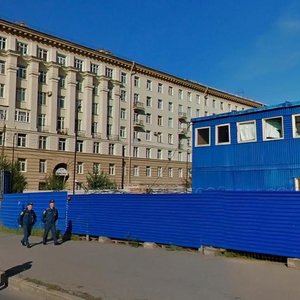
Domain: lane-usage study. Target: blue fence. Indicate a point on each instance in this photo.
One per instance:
(261, 222)
(13, 204)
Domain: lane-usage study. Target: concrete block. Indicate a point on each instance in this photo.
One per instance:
(293, 263)
(103, 239)
(212, 251)
(150, 245)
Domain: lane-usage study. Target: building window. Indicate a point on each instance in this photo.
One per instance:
(62, 144)
(203, 136)
(296, 126)
(42, 120)
(148, 171)
(111, 149)
(96, 168)
(21, 140)
(109, 72)
(159, 120)
(159, 172)
(273, 128)
(21, 94)
(170, 172)
(110, 111)
(123, 95)
(189, 96)
(223, 134)
(246, 131)
(170, 106)
(94, 68)
(42, 77)
(148, 118)
(159, 154)
(21, 72)
(2, 43)
(229, 107)
(95, 90)
(95, 108)
(170, 122)
(123, 77)
(61, 59)
(2, 90)
(78, 63)
(136, 171)
(43, 142)
(198, 99)
(22, 164)
(148, 101)
(136, 98)
(94, 127)
(62, 82)
(60, 123)
(2, 114)
(79, 146)
(170, 138)
(180, 172)
(160, 88)
(170, 155)
(111, 169)
(22, 116)
(136, 81)
(148, 152)
(206, 113)
(123, 114)
(180, 94)
(22, 48)
(42, 54)
(96, 148)
(189, 111)
(79, 167)
(61, 102)
(135, 152)
(149, 85)
(2, 67)
(42, 98)
(222, 105)
(43, 166)
(197, 112)
(123, 132)
(148, 135)
(159, 104)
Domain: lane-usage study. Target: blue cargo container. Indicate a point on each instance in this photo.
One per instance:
(251, 150)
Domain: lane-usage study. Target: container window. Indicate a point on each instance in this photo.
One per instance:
(246, 131)
(296, 126)
(203, 136)
(273, 128)
(223, 134)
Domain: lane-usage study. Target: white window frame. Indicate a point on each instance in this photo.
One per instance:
(238, 131)
(216, 134)
(2, 67)
(294, 126)
(263, 129)
(196, 136)
(22, 164)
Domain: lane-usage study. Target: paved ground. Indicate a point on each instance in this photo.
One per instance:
(119, 272)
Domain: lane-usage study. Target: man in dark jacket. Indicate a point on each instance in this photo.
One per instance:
(27, 219)
(49, 218)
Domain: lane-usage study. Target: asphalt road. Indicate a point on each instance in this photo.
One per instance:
(119, 272)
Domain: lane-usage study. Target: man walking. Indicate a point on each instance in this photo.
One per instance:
(26, 220)
(49, 218)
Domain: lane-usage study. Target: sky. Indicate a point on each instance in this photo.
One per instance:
(248, 48)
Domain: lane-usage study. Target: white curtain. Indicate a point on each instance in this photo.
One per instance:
(247, 132)
(273, 129)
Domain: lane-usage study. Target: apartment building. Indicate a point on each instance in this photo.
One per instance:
(70, 110)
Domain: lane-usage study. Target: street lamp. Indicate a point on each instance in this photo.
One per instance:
(77, 109)
(189, 124)
(123, 167)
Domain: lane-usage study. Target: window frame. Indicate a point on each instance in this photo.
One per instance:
(263, 128)
(196, 136)
(294, 126)
(216, 134)
(238, 131)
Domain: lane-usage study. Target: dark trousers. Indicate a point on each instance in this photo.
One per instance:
(27, 233)
(52, 228)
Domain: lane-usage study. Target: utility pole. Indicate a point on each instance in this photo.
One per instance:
(77, 108)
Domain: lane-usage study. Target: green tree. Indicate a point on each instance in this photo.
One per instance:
(18, 180)
(99, 181)
(55, 183)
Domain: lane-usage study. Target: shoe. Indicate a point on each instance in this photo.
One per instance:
(44, 243)
(23, 244)
(28, 246)
(56, 244)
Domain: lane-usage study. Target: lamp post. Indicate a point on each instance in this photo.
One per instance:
(187, 162)
(123, 167)
(77, 109)
(13, 160)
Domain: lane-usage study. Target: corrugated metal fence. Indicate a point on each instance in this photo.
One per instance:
(12, 205)
(260, 222)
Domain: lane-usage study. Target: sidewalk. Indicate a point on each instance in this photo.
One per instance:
(111, 271)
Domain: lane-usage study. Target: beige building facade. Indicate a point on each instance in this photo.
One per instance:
(127, 120)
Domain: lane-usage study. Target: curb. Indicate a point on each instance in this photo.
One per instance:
(20, 284)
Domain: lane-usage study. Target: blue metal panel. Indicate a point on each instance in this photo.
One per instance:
(260, 165)
(13, 204)
(260, 222)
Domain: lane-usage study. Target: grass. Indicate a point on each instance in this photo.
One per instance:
(57, 288)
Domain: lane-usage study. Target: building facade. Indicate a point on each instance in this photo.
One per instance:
(251, 150)
(127, 120)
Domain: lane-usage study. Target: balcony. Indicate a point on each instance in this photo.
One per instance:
(42, 128)
(182, 132)
(62, 131)
(182, 117)
(113, 137)
(138, 124)
(139, 107)
(81, 133)
(181, 147)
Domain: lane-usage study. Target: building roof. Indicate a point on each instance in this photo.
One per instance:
(247, 111)
(20, 29)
